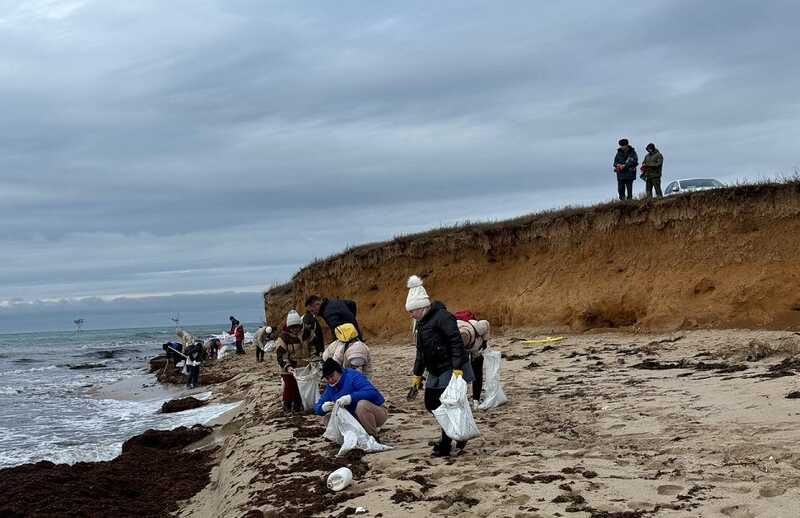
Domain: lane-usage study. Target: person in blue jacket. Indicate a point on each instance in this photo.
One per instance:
(352, 390)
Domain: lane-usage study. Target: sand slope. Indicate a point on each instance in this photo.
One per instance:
(587, 432)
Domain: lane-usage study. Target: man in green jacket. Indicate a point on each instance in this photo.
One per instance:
(651, 170)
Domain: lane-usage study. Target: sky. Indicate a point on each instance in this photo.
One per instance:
(160, 157)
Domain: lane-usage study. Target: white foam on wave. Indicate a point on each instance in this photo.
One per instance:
(33, 369)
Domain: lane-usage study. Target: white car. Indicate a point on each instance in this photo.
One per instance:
(692, 185)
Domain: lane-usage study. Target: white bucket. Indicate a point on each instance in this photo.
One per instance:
(340, 479)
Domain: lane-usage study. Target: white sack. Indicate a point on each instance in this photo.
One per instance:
(493, 395)
(454, 414)
(345, 429)
(308, 383)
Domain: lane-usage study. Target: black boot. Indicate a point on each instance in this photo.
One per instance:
(287, 407)
(442, 449)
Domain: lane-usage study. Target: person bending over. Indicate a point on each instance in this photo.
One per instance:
(291, 353)
(348, 351)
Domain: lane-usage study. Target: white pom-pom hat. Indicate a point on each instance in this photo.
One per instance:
(293, 319)
(417, 296)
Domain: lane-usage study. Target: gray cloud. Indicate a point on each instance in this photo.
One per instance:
(161, 148)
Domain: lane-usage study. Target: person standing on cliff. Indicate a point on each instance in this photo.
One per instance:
(625, 162)
(336, 312)
(291, 353)
(651, 170)
(440, 352)
(312, 331)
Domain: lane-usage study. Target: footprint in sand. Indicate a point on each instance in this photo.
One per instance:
(737, 511)
(669, 489)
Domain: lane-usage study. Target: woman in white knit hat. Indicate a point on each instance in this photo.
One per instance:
(440, 352)
(292, 352)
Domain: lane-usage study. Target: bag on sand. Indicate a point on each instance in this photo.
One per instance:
(345, 429)
(454, 414)
(308, 383)
(493, 392)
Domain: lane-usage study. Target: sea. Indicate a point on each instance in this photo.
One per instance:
(52, 403)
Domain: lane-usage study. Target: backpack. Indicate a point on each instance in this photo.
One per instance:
(465, 314)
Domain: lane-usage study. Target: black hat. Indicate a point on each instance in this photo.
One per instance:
(623, 142)
(650, 146)
(330, 366)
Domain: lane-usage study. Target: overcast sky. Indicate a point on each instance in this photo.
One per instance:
(195, 147)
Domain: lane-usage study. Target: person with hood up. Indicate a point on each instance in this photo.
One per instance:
(336, 312)
(440, 352)
(237, 330)
(348, 351)
(651, 170)
(475, 335)
(625, 162)
(291, 353)
(264, 340)
(195, 355)
(352, 390)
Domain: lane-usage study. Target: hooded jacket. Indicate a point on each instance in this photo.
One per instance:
(336, 312)
(354, 384)
(439, 344)
(652, 164)
(629, 160)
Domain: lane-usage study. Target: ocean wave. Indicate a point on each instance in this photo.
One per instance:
(33, 369)
(82, 366)
(25, 361)
(108, 354)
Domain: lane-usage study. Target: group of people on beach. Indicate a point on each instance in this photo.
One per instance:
(446, 347)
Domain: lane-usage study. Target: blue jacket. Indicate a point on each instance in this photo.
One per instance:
(353, 383)
(629, 161)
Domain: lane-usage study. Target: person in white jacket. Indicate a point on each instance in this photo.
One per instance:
(348, 351)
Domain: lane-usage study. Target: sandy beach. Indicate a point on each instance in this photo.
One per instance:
(598, 425)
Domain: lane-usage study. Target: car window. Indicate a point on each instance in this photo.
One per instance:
(671, 187)
(699, 183)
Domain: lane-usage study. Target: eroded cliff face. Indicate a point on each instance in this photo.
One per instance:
(723, 258)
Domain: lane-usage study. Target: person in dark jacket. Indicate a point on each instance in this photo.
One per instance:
(625, 163)
(194, 358)
(336, 312)
(237, 330)
(352, 390)
(651, 170)
(440, 352)
(291, 353)
(312, 331)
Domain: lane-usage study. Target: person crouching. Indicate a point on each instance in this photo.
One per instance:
(440, 351)
(195, 355)
(348, 351)
(291, 353)
(353, 391)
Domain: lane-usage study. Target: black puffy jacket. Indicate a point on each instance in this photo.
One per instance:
(336, 312)
(439, 344)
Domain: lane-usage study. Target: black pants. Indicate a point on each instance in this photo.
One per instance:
(259, 354)
(432, 403)
(477, 384)
(239, 347)
(651, 183)
(625, 188)
(194, 375)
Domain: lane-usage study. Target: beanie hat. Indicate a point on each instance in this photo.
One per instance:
(417, 296)
(293, 319)
(330, 366)
(650, 146)
(482, 327)
(268, 330)
(623, 142)
(346, 333)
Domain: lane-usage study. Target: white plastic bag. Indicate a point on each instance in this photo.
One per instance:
(345, 429)
(308, 383)
(493, 395)
(454, 414)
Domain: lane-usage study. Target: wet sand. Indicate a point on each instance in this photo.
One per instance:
(599, 425)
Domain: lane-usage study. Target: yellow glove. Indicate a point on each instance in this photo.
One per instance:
(416, 382)
(457, 372)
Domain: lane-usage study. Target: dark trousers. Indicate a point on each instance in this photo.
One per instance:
(194, 375)
(625, 188)
(477, 383)
(432, 403)
(652, 183)
(239, 347)
(259, 354)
